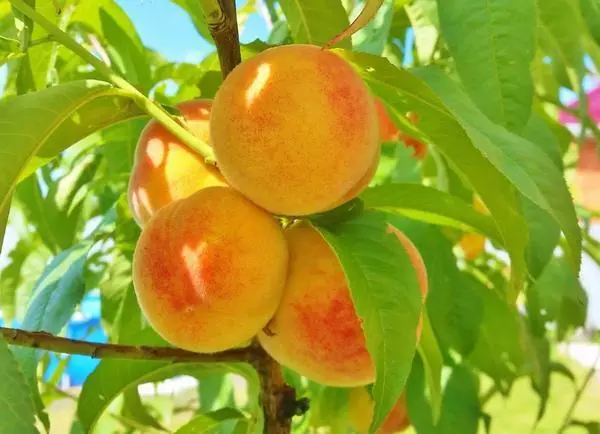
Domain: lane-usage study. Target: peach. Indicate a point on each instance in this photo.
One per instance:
(294, 129)
(316, 330)
(165, 169)
(389, 132)
(209, 270)
(361, 408)
(361, 185)
(473, 244)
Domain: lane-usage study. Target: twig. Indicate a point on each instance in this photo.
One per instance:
(140, 99)
(47, 341)
(586, 381)
(222, 22)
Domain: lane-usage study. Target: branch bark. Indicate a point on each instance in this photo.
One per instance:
(222, 22)
(49, 342)
(278, 399)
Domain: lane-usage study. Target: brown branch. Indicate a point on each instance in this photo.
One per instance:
(222, 22)
(49, 342)
(278, 399)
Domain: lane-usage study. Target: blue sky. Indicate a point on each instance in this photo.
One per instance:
(165, 27)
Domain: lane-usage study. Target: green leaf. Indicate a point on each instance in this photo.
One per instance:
(432, 362)
(493, 44)
(544, 234)
(214, 391)
(18, 409)
(386, 295)
(591, 427)
(56, 294)
(119, 145)
(590, 9)
(423, 17)
(417, 399)
(215, 421)
(62, 115)
(524, 164)
(364, 17)
(540, 374)
(4, 219)
(559, 368)
(404, 92)
(8, 29)
(373, 37)
(57, 213)
(9, 49)
(500, 348)
(113, 26)
(192, 7)
(112, 377)
(562, 22)
(430, 205)
(11, 277)
(36, 66)
(561, 296)
(329, 409)
(454, 309)
(315, 21)
(460, 407)
(133, 409)
(539, 132)
(544, 231)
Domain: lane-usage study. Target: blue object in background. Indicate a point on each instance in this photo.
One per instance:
(85, 325)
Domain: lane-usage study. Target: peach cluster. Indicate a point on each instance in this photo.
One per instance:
(295, 131)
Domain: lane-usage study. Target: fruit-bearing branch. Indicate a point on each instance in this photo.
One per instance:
(50, 342)
(278, 399)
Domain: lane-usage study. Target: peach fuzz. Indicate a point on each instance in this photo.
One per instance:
(361, 408)
(316, 330)
(361, 185)
(294, 129)
(165, 169)
(209, 270)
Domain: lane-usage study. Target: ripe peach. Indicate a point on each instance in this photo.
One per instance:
(209, 270)
(389, 132)
(473, 244)
(361, 408)
(294, 129)
(361, 185)
(166, 169)
(316, 330)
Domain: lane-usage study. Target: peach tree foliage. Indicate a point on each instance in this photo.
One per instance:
(483, 79)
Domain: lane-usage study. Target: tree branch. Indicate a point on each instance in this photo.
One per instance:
(222, 22)
(49, 342)
(278, 399)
